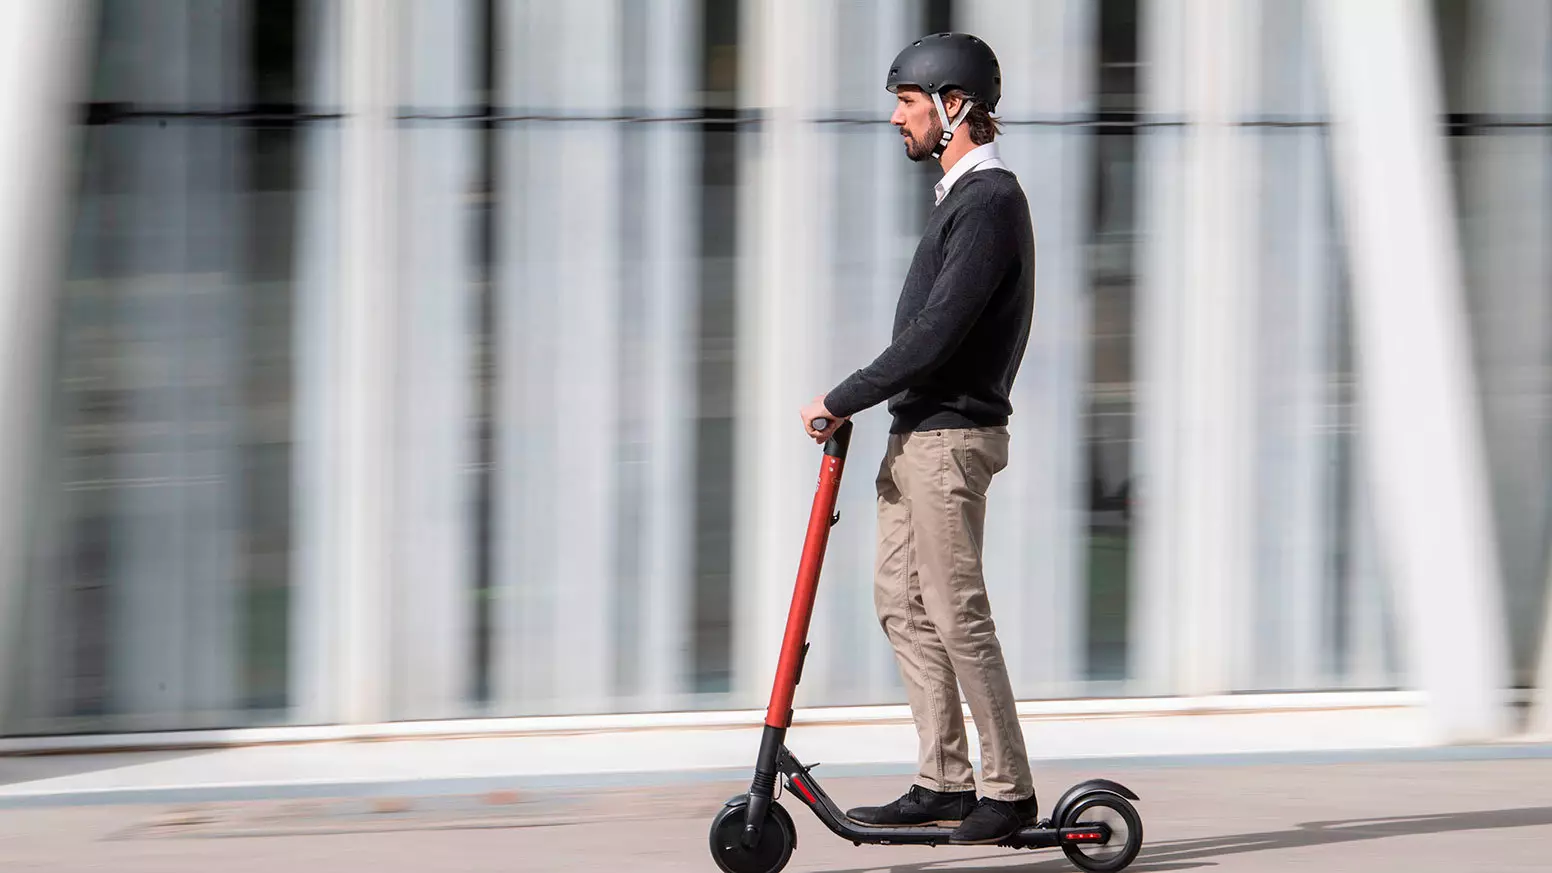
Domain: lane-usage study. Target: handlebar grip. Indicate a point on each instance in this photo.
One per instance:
(820, 424)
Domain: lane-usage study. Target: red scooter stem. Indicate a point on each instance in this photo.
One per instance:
(820, 519)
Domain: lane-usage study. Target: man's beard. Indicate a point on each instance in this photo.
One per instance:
(921, 149)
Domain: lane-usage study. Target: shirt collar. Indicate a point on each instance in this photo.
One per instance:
(983, 157)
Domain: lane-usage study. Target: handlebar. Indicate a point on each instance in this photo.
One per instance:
(837, 442)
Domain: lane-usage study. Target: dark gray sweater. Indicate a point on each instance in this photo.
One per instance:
(963, 318)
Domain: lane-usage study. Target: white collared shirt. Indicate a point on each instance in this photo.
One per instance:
(979, 158)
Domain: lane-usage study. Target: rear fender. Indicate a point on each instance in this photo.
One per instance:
(1077, 792)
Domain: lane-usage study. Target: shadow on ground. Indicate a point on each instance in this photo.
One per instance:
(1201, 852)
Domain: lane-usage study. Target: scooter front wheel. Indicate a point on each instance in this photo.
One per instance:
(777, 839)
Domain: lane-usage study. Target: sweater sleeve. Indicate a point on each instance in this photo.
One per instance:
(977, 253)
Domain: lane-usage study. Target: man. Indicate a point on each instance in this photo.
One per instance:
(960, 329)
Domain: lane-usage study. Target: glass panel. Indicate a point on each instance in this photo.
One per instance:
(440, 177)
(1110, 432)
(570, 178)
(716, 352)
(1497, 68)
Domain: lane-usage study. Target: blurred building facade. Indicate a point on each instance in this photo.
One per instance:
(440, 359)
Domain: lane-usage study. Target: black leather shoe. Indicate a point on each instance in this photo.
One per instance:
(919, 806)
(994, 821)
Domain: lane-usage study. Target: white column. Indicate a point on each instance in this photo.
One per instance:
(524, 456)
(1035, 531)
(585, 356)
(43, 60)
(1420, 432)
(559, 401)
(1160, 289)
(1217, 345)
(433, 587)
(367, 326)
(669, 218)
(1295, 340)
(316, 650)
(783, 346)
(1191, 585)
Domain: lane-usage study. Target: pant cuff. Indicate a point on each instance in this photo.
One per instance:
(1009, 796)
(944, 787)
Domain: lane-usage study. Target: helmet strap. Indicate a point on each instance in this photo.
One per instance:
(948, 126)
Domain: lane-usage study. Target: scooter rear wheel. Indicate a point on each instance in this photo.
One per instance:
(777, 840)
(1113, 811)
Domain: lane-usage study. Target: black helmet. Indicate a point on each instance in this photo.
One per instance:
(950, 60)
(943, 61)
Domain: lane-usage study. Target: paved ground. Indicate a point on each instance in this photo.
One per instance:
(1490, 815)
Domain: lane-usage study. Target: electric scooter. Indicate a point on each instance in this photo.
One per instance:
(1093, 822)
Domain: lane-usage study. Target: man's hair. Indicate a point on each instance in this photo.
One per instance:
(982, 124)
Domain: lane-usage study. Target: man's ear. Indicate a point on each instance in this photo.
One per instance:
(952, 105)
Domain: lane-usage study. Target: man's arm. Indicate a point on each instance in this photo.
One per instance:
(978, 252)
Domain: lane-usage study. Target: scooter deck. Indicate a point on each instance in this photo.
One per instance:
(939, 835)
(803, 785)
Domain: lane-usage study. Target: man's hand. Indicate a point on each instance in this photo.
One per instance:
(816, 409)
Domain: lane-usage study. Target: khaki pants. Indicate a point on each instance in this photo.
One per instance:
(931, 600)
